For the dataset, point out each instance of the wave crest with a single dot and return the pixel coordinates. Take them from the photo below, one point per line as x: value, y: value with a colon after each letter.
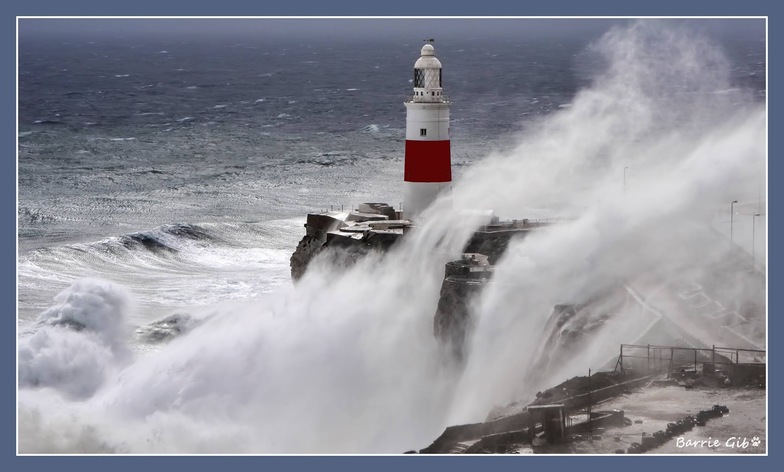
x: 78, y: 341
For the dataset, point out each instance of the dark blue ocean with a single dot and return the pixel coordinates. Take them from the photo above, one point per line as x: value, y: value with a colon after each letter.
x: 169, y: 171
x: 238, y: 136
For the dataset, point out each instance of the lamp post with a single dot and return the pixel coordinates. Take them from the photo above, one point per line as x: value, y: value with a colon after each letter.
x: 753, y: 239
x: 732, y: 213
x: 590, y: 416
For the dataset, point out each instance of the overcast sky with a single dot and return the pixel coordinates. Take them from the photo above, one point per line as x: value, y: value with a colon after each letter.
x: 361, y: 28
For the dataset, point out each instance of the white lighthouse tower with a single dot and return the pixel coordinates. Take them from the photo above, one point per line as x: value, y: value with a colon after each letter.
x: 428, y: 166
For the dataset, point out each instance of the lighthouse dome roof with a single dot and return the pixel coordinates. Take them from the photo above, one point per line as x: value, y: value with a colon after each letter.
x: 428, y: 60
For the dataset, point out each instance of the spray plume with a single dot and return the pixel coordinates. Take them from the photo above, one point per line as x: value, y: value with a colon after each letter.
x: 346, y: 362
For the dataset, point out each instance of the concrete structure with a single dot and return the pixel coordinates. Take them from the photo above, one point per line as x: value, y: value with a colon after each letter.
x: 428, y: 166
x: 548, y: 423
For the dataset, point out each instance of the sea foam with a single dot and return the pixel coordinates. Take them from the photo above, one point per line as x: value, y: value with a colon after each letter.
x: 78, y: 341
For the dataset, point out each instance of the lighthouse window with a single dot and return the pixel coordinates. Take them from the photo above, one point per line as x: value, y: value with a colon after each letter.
x: 419, y: 78
x: 439, y: 77
x: 423, y: 132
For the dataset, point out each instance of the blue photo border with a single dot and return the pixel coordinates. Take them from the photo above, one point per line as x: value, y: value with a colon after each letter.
x: 363, y: 8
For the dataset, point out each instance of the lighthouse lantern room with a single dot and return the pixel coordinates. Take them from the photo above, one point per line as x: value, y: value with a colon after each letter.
x: 428, y: 167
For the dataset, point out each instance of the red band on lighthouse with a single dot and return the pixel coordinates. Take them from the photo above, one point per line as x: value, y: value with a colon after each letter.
x: 427, y: 161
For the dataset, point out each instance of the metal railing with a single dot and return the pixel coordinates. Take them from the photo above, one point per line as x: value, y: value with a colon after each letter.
x: 659, y: 359
x: 443, y: 98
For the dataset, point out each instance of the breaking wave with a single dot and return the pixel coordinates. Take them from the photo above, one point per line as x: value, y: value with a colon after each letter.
x: 346, y: 362
x: 79, y: 342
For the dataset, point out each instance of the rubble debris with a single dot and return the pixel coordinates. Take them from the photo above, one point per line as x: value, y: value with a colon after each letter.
x: 676, y: 429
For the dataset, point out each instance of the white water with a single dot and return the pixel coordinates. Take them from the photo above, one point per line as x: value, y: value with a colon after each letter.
x: 346, y: 362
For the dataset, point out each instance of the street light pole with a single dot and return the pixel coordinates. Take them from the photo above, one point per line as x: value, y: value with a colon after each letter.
x: 590, y: 416
x: 753, y: 240
x: 732, y: 214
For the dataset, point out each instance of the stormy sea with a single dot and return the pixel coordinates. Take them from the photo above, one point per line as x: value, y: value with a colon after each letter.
x: 165, y: 170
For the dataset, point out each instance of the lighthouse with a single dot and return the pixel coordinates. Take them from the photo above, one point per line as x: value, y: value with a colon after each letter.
x: 428, y: 166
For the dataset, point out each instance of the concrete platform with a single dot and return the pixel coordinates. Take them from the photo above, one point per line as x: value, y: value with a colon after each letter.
x: 657, y: 406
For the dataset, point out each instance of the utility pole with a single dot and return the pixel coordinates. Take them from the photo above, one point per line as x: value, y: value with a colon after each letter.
x: 753, y: 240
x: 732, y: 215
x: 590, y: 419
